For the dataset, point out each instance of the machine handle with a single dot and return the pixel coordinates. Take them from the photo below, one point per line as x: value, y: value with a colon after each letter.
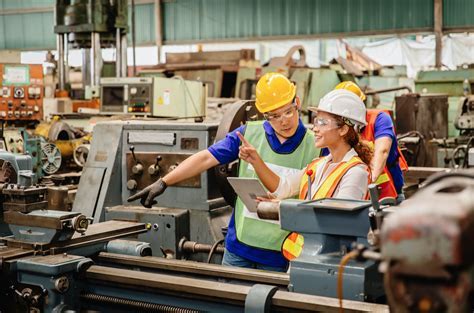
x: 374, y: 197
x: 132, y: 149
x: 309, y: 173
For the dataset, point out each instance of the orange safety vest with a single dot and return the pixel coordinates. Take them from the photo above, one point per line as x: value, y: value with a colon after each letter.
x: 294, y: 242
x: 385, y: 180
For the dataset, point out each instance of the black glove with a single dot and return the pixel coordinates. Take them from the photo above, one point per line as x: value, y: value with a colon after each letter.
x: 150, y: 192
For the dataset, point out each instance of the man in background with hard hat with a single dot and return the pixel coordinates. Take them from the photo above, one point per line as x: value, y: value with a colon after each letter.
x: 388, y: 164
x: 283, y: 143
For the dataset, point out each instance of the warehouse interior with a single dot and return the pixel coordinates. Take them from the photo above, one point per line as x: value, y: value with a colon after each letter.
x: 236, y: 156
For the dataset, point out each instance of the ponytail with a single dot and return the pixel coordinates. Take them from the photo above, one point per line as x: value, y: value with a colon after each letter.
x: 360, y: 146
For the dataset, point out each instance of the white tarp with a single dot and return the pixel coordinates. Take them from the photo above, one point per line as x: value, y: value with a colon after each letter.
x: 418, y: 55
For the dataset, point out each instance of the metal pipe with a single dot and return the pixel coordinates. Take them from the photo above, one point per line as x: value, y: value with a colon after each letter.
x: 86, y: 64
x: 98, y: 59
x: 66, y: 59
x: 373, y: 92
x: 60, y: 43
x: 194, y: 247
x: 438, y: 30
x: 159, y: 28
x: 133, y: 39
x: 124, y: 61
x: 92, y: 63
x: 118, y: 53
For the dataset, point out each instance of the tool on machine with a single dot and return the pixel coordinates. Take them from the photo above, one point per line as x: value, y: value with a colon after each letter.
x: 309, y: 173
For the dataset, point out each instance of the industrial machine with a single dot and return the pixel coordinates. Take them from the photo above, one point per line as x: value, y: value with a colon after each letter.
x: 46, y: 157
x: 154, y: 96
x: 126, y: 156
x: 126, y: 95
x: 14, y: 169
x: 91, y: 25
x: 435, y: 144
x: 21, y: 100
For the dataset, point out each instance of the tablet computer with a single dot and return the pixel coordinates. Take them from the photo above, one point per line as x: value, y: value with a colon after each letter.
x: 248, y: 189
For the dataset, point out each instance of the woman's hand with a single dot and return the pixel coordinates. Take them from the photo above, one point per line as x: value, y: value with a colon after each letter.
x: 247, y: 152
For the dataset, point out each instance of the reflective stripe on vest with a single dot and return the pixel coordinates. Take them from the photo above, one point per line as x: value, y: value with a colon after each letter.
x: 384, y: 181
x: 328, y: 187
x: 292, y: 246
x: 250, y: 230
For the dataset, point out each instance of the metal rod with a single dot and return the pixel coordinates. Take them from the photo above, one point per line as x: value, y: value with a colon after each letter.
x: 373, y: 92
x: 92, y: 63
x: 98, y: 59
x: 132, y: 305
x: 175, y: 267
x: 159, y: 28
x: 118, y: 53
x: 133, y: 39
x: 124, y: 62
x: 86, y: 64
x: 194, y: 247
x: 438, y: 30
x: 60, y: 43
x: 66, y: 59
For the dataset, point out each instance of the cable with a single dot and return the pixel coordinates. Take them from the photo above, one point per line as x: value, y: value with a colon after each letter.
x: 213, y: 249
x: 183, y: 82
x: 346, y: 258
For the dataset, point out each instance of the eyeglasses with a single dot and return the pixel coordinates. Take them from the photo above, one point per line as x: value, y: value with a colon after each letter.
x: 278, y: 117
x: 325, y: 123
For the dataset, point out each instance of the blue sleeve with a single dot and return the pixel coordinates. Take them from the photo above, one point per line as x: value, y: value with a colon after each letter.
x: 227, y: 149
x: 384, y: 127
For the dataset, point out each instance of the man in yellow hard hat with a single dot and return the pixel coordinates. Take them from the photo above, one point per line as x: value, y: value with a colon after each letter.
x: 388, y: 164
x: 283, y: 143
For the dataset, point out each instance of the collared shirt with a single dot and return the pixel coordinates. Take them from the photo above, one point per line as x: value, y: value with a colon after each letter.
x: 353, y: 184
x: 226, y: 151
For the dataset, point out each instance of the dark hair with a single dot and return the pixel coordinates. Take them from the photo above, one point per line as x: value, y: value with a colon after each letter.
x: 352, y: 137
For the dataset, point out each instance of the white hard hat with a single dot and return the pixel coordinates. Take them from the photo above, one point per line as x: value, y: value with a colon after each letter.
x: 343, y: 103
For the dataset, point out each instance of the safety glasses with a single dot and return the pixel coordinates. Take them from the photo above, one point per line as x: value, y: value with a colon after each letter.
x: 278, y: 117
x: 325, y: 123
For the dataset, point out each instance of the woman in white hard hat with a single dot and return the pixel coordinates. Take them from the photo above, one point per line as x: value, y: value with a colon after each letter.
x: 344, y: 173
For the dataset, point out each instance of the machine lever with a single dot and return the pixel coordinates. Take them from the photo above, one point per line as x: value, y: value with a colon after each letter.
x: 158, y: 159
x: 374, y: 197
x: 377, y: 214
x: 132, y: 149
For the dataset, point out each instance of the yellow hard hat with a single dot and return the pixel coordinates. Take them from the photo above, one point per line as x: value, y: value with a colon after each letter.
x: 351, y: 86
x: 273, y: 91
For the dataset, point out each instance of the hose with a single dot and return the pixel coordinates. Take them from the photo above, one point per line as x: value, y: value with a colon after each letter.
x: 213, y: 249
x: 345, y: 259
